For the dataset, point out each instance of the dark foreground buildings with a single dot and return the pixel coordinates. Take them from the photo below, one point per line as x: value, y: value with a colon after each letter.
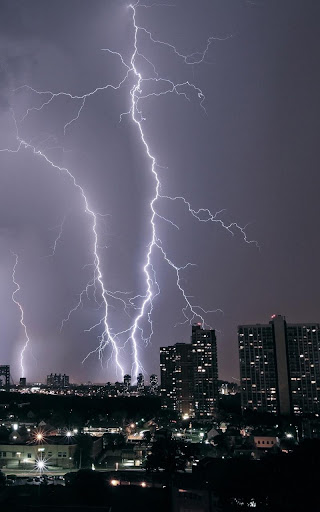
x: 189, y: 373
x: 279, y: 367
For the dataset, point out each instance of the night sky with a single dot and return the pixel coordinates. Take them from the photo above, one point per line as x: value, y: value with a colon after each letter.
x: 254, y: 153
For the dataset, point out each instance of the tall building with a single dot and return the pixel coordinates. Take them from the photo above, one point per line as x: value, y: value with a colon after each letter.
x: 167, y: 377
x: 205, y: 370
x: 140, y: 383
x: 189, y: 374
x: 57, y: 380
x: 127, y: 383
x: 176, y: 372
x: 184, y: 382
x: 153, y: 381
x: 5, y: 373
x: 279, y: 367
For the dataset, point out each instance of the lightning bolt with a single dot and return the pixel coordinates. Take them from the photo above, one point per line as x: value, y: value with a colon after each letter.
x: 26, y: 335
x: 58, y: 238
x: 190, y: 312
x: 107, y: 336
x: 145, y: 85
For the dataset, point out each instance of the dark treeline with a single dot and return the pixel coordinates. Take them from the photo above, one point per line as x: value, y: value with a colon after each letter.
x: 286, y: 482
x: 77, y: 408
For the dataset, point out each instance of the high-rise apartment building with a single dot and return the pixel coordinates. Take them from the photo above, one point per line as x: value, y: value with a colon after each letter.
x: 189, y: 374
x: 127, y: 383
x: 205, y: 370
x: 140, y: 383
x: 57, y: 380
x: 167, y: 377
x: 5, y: 373
x: 153, y: 381
x: 279, y: 367
x: 176, y: 372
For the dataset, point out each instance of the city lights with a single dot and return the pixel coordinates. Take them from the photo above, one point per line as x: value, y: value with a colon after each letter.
x: 38, y: 436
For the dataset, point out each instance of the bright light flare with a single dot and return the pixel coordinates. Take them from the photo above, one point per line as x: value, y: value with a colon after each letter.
x: 38, y: 436
x: 40, y: 464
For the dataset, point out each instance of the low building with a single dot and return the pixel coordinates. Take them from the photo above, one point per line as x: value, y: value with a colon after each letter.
x: 56, y: 451
x: 266, y: 442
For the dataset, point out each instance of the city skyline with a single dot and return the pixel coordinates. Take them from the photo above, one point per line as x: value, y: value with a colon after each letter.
x: 244, y: 145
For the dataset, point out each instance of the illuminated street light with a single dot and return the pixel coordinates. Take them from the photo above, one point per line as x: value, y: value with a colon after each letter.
x: 40, y: 465
x: 69, y: 434
x: 115, y: 482
x: 39, y: 436
x: 289, y: 436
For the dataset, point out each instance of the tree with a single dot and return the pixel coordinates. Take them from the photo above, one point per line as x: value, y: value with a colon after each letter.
x: 90, y: 487
x: 147, y: 436
x: 2, y: 479
x: 4, y: 435
x: 166, y: 454
x: 82, y: 457
x: 114, y: 441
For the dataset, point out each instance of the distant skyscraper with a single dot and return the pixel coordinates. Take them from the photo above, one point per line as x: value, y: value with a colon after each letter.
x: 23, y: 381
x: 140, y: 383
x: 279, y: 367
x: 5, y: 373
x: 189, y: 374
x: 57, y: 380
x: 153, y: 384
x: 127, y: 383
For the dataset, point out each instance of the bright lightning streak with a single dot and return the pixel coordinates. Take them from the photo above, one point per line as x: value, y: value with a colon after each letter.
x: 190, y: 312
x: 142, y: 304
x: 107, y: 336
x: 26, y: 335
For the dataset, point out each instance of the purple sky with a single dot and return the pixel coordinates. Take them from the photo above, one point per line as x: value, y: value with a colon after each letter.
x: 253, y: 153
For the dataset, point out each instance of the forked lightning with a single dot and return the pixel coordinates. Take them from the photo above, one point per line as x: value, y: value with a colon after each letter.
x: 144, y: 82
